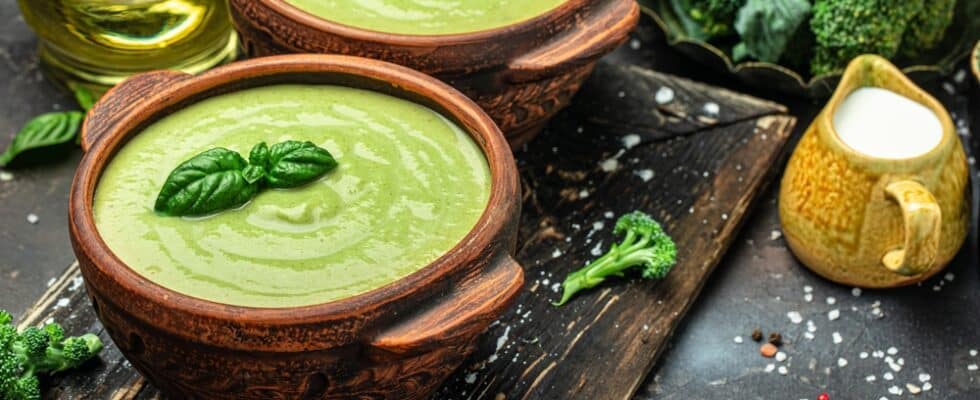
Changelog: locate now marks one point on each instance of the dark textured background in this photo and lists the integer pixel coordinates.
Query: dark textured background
(755, 286)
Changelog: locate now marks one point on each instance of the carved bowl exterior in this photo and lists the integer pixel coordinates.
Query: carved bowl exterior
(395, 342)
(521, 74)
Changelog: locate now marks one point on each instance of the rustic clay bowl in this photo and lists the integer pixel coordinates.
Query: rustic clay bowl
(521, 74)
(396, 342)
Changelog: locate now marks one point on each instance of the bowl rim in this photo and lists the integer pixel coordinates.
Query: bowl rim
(502, 204)
(320, 24)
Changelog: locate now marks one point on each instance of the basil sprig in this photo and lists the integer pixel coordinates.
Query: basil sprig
(50, 129)
(44, 130)
(221, 179)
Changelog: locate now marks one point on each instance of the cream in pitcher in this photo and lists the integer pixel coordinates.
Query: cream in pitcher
(875, 194)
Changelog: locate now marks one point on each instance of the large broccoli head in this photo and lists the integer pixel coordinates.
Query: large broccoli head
(928, 27)
(844, 29)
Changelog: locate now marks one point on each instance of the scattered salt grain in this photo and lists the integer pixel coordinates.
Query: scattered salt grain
(630, 141)
(775, 235)
(783, 370)
(810, 326)
(738, 339)
(971, 367)
(926, 387)
(556, 253)
(546, 282)
(32, 218)
(888, 376)
(948, 87)
(949, 276)
(856, 292)
(470, 378)
(831, 301)
(664, 95)
(892, 350)
(609, 214)
(780, 356)
(808, 297)
(609, 165)
(973, 352)
(597, 250)
(808, 335)
(52, 281)
(863, 355)
(621, 94)
(6, 176)
(877, 354)
(913, 388)
(645, 174)
(833, 314)
(841, 362)
(583, 194)
(936, 288)
(794, 317)
(870, 378)
(924, 377)
(837, 338)
(770, 367)
(960, 76)
(895, 390)
(555, 287)
(808, 289)
(711, 108)
(635, 44)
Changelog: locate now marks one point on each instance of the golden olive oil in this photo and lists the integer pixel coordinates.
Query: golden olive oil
(102, 42)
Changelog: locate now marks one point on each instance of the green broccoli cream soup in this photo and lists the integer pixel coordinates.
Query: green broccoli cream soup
(426, 17)
(408, 187)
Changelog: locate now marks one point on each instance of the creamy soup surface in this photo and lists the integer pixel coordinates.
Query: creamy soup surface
(409, 186)
(426, 17)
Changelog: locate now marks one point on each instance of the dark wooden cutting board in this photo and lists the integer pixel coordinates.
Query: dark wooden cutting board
(695, 163)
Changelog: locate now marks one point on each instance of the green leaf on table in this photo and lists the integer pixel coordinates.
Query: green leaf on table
(207, 183)
(766, 27)
(293, 163)
(84, 96)
(44, 130)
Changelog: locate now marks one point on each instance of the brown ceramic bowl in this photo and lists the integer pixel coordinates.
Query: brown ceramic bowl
(396, 342)
(521, 74)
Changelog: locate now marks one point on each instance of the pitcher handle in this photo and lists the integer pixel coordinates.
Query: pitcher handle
(923, 225)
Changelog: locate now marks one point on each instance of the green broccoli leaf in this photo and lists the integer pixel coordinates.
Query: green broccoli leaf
(766, 27)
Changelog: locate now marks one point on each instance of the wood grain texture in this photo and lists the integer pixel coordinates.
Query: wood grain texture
(522, 74)
(705, 175)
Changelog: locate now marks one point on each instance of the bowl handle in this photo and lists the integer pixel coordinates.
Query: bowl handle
(463, 314)
(577, 47)
(121, 100)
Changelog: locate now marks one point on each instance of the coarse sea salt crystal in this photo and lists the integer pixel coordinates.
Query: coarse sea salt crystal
(664, 95)
(973, 352)
(6, 176)
(810, 326)
(630, 141)
(470, 378)
(635, 44)
(837, 338)
(863, 355)
(895, 390)
(609, 214)
(32, 218)
(609, 165)
(738, 339)
(971, 367)
(783, 370)
(645, 174)
(856, 292)
(913, 388)
(556, 253)
(926, 387)
(833, 314)
(924, 377)
(870, 378)
(780, 356)
(831, 301)
(949, 276)
(711, 108)
(808, 335)
(888, 376)
(770, 367)
(841, 362)
(807, 289)
(794, 317)
(808, 297)
(892, 350)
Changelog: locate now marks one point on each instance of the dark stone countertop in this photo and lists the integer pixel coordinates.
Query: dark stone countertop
(932, 331)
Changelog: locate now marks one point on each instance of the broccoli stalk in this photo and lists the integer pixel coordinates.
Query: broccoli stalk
(644, 244)
(38, 351)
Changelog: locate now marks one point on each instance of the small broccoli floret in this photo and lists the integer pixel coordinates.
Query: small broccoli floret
(844, 29)
(34, 351)
(927, 27)
(644, 244)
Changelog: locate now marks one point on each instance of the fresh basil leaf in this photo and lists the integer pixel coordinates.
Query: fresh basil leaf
(253, 173)
(84, 96)
(44, 130)
(293, 163)
(259, 156)
(766, 27)
(207, 183)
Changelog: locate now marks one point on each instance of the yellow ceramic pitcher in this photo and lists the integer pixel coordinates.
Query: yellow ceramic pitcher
(873, 222)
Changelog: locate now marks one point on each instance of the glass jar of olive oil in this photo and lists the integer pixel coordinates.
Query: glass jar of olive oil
(98, 43)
